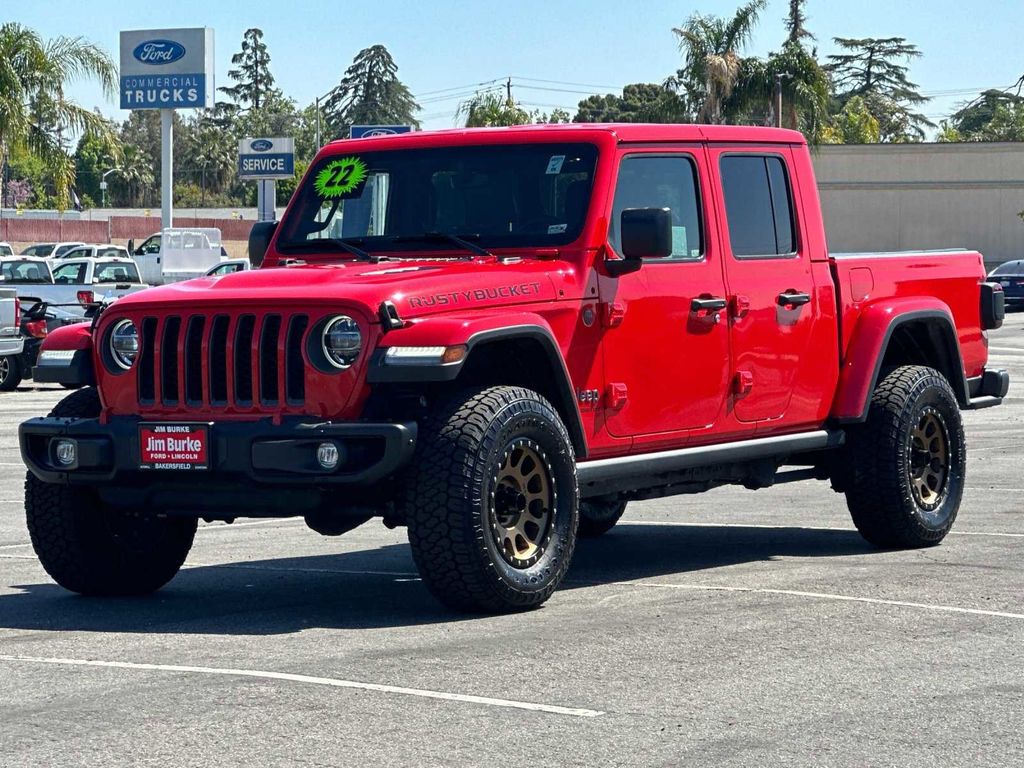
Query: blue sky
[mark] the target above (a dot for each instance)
(596, 45)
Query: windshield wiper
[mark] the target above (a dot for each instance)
(347, 244)
(441, 237)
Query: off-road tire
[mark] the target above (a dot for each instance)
(881, 453)
(10, 373)
(450, 500)
(93, 550)
(598, 516)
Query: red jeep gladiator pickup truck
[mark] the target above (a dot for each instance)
(498, 338)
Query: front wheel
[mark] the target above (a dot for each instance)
(492, 501)
(92, 549)
(907, 461)
(10, 373)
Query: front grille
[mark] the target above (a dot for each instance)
(249, 361)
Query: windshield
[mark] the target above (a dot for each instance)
(24, 272)
(43, 249)
(500, 196)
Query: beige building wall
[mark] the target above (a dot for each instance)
(882, 197)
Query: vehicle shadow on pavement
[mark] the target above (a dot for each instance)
(378, 588)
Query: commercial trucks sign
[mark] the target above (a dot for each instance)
(167, 68)
(266, 158)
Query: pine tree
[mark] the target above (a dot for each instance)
(251, 75)
(796, 22)
(370, 93)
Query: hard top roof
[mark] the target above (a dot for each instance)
(622, 132)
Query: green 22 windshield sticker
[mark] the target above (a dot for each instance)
(341, 178)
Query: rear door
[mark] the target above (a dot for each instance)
(773, 302)
(666, 364)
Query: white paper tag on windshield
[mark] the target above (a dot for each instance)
(555, 164)
(557, 229)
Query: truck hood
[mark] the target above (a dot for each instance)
(416, 287)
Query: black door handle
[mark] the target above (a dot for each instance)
(793, 299)
(708, 305)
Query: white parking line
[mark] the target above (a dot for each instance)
(286, 569)
(828, 596)
(670, 524)
(13, 546)
(311, 680)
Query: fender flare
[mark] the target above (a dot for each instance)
(74, 371)
(450, 331)
(862, 364)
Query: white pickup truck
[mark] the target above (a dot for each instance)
(79, 284)
(11, 342)
(176, 254)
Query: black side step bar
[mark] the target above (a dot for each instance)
(647, 464)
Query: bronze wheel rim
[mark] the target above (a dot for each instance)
(523, 497)
(929, 460)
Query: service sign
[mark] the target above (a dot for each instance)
(369, 131)
(266, 158)
(167, 69)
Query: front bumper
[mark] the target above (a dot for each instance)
(241, 454)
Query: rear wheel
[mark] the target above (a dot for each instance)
(10, 373)
(96, 550)
(598, 516)
(491, 502)
(908, 461)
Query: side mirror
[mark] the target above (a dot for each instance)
(260, 235)
(131, 246)
(646, 233)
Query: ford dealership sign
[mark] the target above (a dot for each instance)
(157, 52)
(167, 69)
(266, 158)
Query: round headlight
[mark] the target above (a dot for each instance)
(342, 341)
(124, 343)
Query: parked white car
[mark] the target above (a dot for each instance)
(6, 250)
(11, 341)
(228, 266)
(24, 270)
(79, 284)
(50, 250)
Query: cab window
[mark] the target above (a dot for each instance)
(69, 273)
(758, 206)
(116, 272)
(661, 181)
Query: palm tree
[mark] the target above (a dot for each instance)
(488, 109)
(34, 112)
(712, 64)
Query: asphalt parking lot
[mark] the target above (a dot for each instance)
(731, 628)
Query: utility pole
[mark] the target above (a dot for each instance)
(778, 100)
(508, 89)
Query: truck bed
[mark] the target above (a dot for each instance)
(951, 277)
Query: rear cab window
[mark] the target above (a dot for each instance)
(758, 206)
(116, 272)
(24, 272)
(661, 181)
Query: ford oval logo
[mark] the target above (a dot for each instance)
(158, 51)
(380, 132)
(261, 145)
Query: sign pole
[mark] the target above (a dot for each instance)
(167, 168)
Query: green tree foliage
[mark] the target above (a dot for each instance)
(489, 109)
(251, 73)
(711, 61)
(370, 93)
(96, 154)
(796, 23)
(639, 103)
(994, 115)
(854, 125)
(35, 114)
(877, 69)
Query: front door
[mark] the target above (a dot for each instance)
(666, 340)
